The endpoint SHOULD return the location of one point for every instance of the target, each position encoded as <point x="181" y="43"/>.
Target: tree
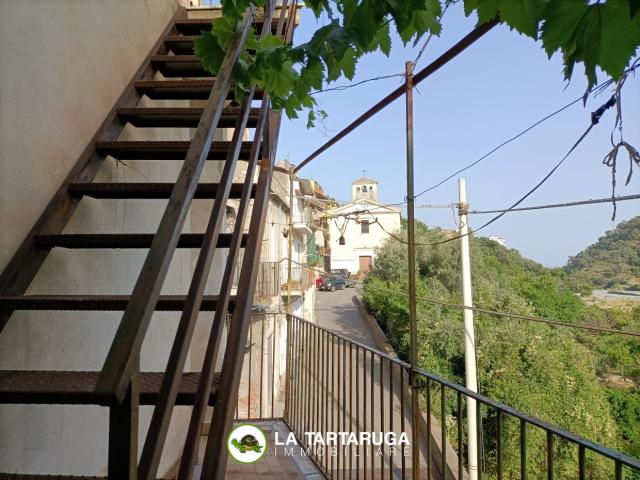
<point x="600" y="35"/>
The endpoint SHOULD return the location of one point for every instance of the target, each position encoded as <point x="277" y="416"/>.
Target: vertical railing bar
<point x="499" y="443"/>
<point x="308" y="380"/>
<point x="276" y="332"/>
<point x="550" y="456"/>
<point x="459" y="421"/>
<point x="317" y="378"/>
<point x="391" y="390"/>
<point x="300" y="380"/>
<point x="327" y="396"/>
<point x="479" y="437"/>
<point x="523" y="449"/>
<point x="618" y="469"/>
<point x="358" y="411"/>
<point x="333" y="393"/>
<point x="428" y="427"/>
<point x="381" y="390"/>
<point x="344" y="413"/>
<point x="350" y="406"/>
<point x="443" y="430"/>
<point x="250" y="365"/>
<point x="364" y="409"/>
<point x="339" y="403"/>
<point x="373" y="407"/>
<point x="288" y="371"/>
<point x="261" y="364"/>
<point x="402" y="420"/>
<point x="581" y="462"/>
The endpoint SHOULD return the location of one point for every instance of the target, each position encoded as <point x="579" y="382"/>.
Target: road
<point x="338" y="312"/>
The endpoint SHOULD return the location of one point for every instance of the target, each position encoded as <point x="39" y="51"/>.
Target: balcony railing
<point x="334" y="384"/>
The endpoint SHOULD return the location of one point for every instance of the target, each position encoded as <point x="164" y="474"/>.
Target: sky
<point x="499" y="86"/>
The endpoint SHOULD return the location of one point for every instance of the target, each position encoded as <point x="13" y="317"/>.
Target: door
<point x="365" y="263"/>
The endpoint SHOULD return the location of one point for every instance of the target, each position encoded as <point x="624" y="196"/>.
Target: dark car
<point x="332" y="284"/>
<point x="340" y="272"/>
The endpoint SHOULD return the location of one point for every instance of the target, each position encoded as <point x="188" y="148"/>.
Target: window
<point x="364" y="226"/>
<point x="364" y="189"/>
<point x="358" y="189"/>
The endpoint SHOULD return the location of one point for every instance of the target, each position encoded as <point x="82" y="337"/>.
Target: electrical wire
<point x="560" y="205"/>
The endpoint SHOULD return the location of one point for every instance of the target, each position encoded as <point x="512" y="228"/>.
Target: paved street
<point x="337" y="312"/>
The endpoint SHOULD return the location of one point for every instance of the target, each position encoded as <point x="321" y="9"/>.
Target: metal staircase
<point x="120" y="386"/>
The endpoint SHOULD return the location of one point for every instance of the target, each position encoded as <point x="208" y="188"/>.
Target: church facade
<point x="359" y="227"/>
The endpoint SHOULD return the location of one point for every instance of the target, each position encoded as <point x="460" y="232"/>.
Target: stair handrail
<point x="122" y="361"/>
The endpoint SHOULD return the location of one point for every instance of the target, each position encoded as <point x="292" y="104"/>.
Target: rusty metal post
<point x="415" y="407"/>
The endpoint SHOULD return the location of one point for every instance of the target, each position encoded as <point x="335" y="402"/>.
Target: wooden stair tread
<point x="179" y="66"/>
<point x="180" y="44"/>
<point x="182" y="117"/>
<point x="189" y="89"/>
<point x="123" y="240"/>
<point x="166" y="303"/>
<point x="148" y="190"/>
<point x="165" y="150"/>
<point x="77" y="387"/>
<point x="193" y="26"/>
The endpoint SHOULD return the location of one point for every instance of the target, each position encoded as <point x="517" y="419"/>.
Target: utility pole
<point x="471" y="376"/>
<point x="415" y="405"/>
<point x="290" y="242"/>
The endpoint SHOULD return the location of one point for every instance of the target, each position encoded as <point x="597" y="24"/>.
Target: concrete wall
<point x="63" y="64"/>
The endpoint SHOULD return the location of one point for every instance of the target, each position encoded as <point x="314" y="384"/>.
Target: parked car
<point x="340" y="272"/>
<point x="321" y="279"/>
<point x="333" y="283"/>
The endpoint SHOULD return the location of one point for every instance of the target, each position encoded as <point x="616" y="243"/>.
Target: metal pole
<point x="290" y="243"/>
<point x="471" y="377"/>
<point x="415" y="437"/>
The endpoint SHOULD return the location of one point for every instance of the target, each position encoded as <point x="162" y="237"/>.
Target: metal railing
<point x="334" y="384"/>
<point x="268" y="282"/>
<point x="262" y="384"/>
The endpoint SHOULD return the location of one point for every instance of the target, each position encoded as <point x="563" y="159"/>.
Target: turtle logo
<point x="247" y="443"/>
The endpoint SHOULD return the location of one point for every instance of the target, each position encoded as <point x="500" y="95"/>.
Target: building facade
<point x="359" y="227"/>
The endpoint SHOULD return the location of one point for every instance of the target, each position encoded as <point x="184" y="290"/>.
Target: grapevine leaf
<point x="600" y="34"/>
<point x="223" y="29"/>
<point x="523" y="15"/>
<point x="619" y="39"/>
<point x="209" y="52"/>
<point x="348" y="63"/>
<point x="311" y="119"/>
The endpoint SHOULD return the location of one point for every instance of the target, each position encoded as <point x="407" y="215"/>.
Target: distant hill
<point x="613" y="262"/>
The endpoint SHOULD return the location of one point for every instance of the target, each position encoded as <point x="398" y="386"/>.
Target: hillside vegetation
<point x="613" y="262"/>
<point x="557" y="374"/>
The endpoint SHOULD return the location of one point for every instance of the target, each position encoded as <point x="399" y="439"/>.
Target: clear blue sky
<point x="497" y="87"/>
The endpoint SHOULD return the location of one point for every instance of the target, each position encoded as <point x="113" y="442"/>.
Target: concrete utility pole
<point x="415" y="405"/>
<point x="471" y="375"/>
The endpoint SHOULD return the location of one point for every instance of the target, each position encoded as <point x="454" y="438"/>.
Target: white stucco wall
<point x="63" y="64"/>
<point x="357" y="243"/>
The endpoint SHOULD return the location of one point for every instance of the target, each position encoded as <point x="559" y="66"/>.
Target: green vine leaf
<point x="598" y="35"/>
<point x="603" y="34"/>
